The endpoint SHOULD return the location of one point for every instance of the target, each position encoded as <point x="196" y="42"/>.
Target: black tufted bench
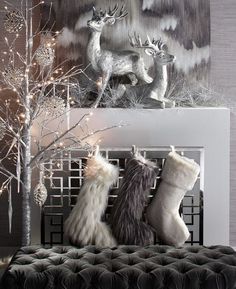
<point x="124" y="267"/>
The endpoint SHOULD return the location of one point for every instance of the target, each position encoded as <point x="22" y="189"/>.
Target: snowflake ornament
<point x="14" y="22"/>
<point x="13" y="76"/>
<point x="54" y="106"/>
<point x="45" y="55"/>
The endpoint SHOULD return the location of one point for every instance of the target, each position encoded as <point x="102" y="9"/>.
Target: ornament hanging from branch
<point x="10" y="209"/>
<point x="14" y="22"/>
<point x="40" y="194"/>
<point x="54" y="106"/>
<point x="13" y="76"/>
<point x="45" y="55"/>
<point x="2" y="130"/>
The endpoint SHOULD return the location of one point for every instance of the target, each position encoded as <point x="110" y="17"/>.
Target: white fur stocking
<point x="84" y="226"/>
<point x="178" y="176"/>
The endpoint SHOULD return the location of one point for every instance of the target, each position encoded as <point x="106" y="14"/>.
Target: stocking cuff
<point x="99" y="169"/>
<point x="138" y="157"/>
<point x="180" y="171"/>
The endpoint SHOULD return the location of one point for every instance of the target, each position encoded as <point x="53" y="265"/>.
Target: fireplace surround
<point x="199" y="133"/>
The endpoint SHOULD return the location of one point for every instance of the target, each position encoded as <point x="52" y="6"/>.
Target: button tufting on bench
<point x="149" y="267"/>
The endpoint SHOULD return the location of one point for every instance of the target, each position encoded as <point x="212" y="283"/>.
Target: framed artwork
<point x="183" y="25"/>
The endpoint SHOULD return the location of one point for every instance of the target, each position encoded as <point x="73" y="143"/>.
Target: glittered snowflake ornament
<point x="45" y="55"/>
<point x="13" y="76"/>
<point x="40" y="194"/>
<point x="54" y="106"/>
<point x="14" y="22"/>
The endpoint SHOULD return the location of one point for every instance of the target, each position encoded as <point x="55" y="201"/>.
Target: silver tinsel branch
<point x="38" y="87"/>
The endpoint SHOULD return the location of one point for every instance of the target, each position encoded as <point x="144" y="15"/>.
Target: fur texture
<point x="84" y="226"/>
<point x="179" y="175"/>
<point x="127" y="213"/>
<point x="4" y="262"/>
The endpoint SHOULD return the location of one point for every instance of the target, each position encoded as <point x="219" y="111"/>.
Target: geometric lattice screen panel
<point x="64" y="178"/>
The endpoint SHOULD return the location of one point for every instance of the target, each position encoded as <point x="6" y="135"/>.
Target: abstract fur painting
<point x="184" y="25"/>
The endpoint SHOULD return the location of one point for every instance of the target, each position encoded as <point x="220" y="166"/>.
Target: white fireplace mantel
<point x="205" y="128"/>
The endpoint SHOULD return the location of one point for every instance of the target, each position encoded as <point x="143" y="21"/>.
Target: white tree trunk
<point x="26" y="177"/>
<point x="26" y="172"/>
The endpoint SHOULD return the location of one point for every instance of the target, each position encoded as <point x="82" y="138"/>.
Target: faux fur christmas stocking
<point x="84" y="226"/>
<point x="178" y="176"/>
<point x="127" y="212"/>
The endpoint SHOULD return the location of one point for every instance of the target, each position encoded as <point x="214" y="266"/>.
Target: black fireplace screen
<point x="64" y="177"/>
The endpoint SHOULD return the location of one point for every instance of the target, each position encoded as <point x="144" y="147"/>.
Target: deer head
<point x="155" y="48"/>
<point x="101" y="18"/>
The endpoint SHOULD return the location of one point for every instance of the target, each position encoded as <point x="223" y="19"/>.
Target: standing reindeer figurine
<point x="108" y="63"/>
<point x="152" y="93"/>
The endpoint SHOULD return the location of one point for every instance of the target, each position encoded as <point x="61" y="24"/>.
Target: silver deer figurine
<point x="152" y="94"/>
<point x="108" y="63"/>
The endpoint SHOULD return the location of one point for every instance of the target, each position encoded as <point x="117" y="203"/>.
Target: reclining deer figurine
<point x="108" y="63"/>
<point x="152" y="93"/>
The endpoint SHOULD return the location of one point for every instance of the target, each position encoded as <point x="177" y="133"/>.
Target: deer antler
<point x="123" y="13"/>
<point x="95" y="13"/>
<point x="112" y="13"/>
<point x="136" y="42"/>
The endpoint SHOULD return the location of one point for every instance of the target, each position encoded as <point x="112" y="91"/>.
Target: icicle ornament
<point x="10" y="209"/>
<point x="54" y="106"/>
<point x="44" y="55"/>
<point x="13" y="76"/>
<point x="40" y="194"/>
<point x="18" y="167"/>
<point x="14" y="22"/>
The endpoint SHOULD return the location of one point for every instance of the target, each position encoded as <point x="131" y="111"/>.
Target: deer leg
<point x="102" y="84"/>
<point x="133" y="78"/>
<point x="153" y="103"/>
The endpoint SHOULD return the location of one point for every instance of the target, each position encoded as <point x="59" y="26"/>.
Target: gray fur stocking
<point x="127" y="212"/>
<point x="84" y="226"/>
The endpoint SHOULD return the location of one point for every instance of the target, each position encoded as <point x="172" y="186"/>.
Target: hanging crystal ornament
<point x="14" y="22"/>
<point x="13" y="76"/>
<point x="40" y="194"/>
<point x="18" y="167"/>
<point x="45" y="55"/>
<point x="68" y="107"/>
<point x="40" y="191"/>
<point x="2" y="130"/>
<point x="10" y="209"/>
<point x="54" y="106"/>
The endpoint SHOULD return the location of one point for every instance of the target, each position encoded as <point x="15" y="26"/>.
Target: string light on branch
<point x="13" y="76"/>
<point x="44" y="55"/>
<point x="54" y="106"/>
<point x="14" y="22"/>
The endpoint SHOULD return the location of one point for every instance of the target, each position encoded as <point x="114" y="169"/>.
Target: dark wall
<point x="13" y="239"/>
